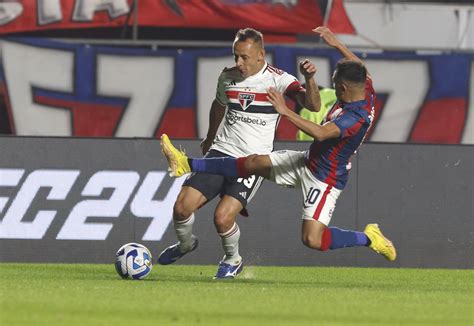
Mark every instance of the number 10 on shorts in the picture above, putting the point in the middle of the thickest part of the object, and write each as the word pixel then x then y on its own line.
pixel 312 196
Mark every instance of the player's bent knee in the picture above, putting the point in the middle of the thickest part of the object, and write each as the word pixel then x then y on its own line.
pixel 258 164
pixel 312 242
pixel 223 220
pixel 251 162
pixel 181 211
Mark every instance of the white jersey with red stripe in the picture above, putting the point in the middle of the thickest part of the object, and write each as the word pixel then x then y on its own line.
pixel 250 122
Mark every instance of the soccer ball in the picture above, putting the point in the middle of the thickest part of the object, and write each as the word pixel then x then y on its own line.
pixel 133 261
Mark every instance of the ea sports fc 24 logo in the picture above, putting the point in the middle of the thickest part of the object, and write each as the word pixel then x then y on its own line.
pixel 72 197
pixel 233 117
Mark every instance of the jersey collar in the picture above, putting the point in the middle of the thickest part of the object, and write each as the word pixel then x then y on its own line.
pixel 260 72
pixel 353 104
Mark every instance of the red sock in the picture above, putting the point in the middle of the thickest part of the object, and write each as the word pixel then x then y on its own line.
pixel 241 170
pixel 326 240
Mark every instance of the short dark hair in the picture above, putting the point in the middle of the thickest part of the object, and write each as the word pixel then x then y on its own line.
pixel 249 33
pixel 351 71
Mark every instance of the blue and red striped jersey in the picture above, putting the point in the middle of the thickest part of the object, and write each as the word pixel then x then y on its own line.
pixel 328 160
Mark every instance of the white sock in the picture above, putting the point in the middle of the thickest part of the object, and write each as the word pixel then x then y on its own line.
pixel 184 232
pixel 230 243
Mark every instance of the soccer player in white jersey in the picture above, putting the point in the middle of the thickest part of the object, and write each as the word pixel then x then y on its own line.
pixel 249 123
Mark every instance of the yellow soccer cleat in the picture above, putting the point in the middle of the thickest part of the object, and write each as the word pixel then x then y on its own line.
pixel 177 159
pixel 379 243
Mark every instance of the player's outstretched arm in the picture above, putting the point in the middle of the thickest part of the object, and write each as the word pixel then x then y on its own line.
pixel 328 36
pixel 320 133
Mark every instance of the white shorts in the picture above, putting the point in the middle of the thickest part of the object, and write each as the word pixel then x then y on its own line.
pixel 319 199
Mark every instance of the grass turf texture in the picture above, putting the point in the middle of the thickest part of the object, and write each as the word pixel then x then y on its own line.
pixel 58 294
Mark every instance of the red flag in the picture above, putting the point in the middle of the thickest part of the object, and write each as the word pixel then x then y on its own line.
pixel 338 20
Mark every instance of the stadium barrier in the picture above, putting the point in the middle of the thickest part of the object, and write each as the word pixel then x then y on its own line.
pixel 77 200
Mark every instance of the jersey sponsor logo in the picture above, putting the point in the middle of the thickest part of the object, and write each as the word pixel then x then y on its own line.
pixel 76 201
pixel 232 117
pixel 243 194
pixel 245 99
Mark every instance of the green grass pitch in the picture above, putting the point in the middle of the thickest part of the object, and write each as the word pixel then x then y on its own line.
pixel 60 294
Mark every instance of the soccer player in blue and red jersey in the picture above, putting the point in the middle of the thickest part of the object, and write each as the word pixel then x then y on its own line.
pixel 322 171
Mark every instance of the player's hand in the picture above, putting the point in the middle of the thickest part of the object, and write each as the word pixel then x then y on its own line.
pixel 206 144
pixel 327 36
pixel 307 68
pixel 278 101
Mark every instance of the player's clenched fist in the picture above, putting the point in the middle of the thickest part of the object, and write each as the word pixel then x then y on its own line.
pixel 307 68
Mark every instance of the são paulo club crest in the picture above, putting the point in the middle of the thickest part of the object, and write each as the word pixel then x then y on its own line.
pixel 246 99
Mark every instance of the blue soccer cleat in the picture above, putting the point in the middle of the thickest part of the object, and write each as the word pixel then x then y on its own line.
pixel 225 271
pixel 172 253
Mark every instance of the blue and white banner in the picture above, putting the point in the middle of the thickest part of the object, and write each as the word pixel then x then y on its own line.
pixel 51 88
